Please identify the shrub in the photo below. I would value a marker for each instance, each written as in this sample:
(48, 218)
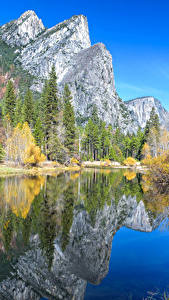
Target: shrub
(74, 161)
(107, 162)
(33, 155)
(129, 161)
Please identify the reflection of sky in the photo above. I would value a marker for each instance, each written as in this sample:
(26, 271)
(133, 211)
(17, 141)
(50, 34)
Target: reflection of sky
(139, 263)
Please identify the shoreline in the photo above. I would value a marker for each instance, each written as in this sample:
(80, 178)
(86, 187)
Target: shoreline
(6, 170)
(15, 171)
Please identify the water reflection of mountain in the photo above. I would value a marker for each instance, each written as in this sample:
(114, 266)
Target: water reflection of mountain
(63, 238)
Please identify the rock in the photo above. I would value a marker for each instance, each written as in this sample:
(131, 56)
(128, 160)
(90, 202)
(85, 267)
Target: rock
(87, 69)
(140, 109)
(22, 31)
(91, 80)
(56, 46)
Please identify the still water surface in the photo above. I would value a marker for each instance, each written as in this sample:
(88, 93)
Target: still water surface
(97, 234)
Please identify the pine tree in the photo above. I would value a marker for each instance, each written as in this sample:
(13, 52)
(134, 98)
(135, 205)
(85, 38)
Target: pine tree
(154, 119)
(152, 132)
(28, 108)
(68, 120)
(10, 101)
(39, 132)
(152, 122)
(94, 115)
(50, 109)
(18, 111)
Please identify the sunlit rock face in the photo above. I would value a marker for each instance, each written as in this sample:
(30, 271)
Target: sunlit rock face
(88, 70)
(22, 31)
(56, 46)
(140, 109)
(91, 80)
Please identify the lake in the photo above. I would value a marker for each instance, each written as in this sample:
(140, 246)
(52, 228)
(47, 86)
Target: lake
(94, 234)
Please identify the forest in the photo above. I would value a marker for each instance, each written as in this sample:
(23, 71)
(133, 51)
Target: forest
(33, 131)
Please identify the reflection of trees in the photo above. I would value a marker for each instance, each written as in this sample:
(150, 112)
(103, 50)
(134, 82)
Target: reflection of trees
(97, 188)
(45, 205)
(8, 229)
(155, 199)
(67, 215)
(19, 193)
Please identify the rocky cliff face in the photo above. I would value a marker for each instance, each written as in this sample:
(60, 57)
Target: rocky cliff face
(22, 31)
(56, 46)
(90, 77)
(87, 69)
(140, 109)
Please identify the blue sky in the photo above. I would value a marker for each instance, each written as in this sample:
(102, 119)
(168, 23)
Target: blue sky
(136, 32)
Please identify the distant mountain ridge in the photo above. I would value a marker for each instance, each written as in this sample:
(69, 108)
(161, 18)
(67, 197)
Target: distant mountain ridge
(28, 50)
(140, 109)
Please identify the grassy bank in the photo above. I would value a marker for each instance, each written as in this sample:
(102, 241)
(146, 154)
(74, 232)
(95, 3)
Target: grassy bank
(49, 168)
(112, 165)
(10, 171)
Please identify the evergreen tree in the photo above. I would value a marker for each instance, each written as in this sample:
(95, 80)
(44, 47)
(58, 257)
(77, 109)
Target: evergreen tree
(152, 132)
(68, 120)
(104, 139)
(140, 140)
(94, 115)
(10, 101)
(154, 119)
(18, 111)
(28, 108)
(50, 109)
(153, 122)
(67, 215)
(39, 132)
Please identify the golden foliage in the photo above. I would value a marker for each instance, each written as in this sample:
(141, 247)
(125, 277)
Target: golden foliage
(147, 160)
(21, 148)
(155, 183)
(129, 161)
(130, 175)
(146, 151)
(33, 155)
(74, 161)
(159, 162)
(107, 162)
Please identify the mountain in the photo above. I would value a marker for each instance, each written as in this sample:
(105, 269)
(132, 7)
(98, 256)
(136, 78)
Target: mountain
(140, 109)
(20, 32)
(28, 50)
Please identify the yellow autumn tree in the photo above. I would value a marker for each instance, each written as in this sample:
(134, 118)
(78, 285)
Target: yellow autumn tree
(129, 161)
(21, 148)
(146, 150)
